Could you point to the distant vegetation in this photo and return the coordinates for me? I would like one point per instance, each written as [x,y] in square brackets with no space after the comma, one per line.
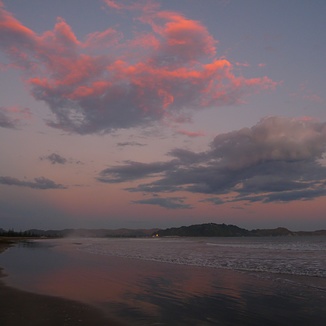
[223,230]
[14,234]
[198,230]
[204,230]
[80,233]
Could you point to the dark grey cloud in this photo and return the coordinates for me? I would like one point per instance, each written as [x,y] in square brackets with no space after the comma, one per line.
[214,200]
[285,196]
[278,159]
[280,195]
[133,171]
[168,202]
[38,183]
[130,143]
[55,158]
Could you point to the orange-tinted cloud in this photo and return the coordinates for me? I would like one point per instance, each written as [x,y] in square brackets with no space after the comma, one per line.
[106,82]
[182,40]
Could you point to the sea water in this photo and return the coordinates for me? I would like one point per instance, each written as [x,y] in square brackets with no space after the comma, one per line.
[302,255]
[181,281]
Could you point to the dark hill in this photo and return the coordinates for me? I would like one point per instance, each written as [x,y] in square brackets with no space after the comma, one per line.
[223,230]
[204,230]
[271,232]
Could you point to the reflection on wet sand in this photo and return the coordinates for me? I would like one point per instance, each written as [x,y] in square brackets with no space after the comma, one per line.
[143,292]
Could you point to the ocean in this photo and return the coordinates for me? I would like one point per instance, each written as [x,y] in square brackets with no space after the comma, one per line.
[180,281]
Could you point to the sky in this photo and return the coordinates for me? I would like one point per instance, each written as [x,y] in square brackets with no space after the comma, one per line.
[144,114]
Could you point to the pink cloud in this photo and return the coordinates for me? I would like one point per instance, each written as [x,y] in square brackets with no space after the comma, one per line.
[106,82]
[242,64]
[142,5]
[307,94]
[113,4]
[24,113]
[191,134]
[183,40]
[103,39]
[312,97]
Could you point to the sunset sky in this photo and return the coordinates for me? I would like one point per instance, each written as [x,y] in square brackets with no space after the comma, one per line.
[144,114]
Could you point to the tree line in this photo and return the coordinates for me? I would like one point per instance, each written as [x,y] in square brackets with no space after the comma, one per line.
[20,234]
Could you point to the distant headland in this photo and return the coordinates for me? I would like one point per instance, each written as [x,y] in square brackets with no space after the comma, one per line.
[196,230]
[224,230]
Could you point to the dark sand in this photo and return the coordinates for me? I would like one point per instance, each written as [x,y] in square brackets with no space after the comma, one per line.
[19,308]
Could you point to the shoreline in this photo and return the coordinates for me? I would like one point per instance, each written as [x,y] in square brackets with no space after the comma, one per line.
[20,307]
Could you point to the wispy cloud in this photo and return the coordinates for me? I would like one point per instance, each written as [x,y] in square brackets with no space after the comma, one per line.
[130,143]
[278,159]
[306,94]
[11,117]
[167,202]
[191,134]
[55,158]
[133,171]
[38,183]
[5,120]
[105,81]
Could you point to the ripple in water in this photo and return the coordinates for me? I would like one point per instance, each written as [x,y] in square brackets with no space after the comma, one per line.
[284,255]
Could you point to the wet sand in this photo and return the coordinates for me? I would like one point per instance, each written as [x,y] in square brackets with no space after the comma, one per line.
[19,308]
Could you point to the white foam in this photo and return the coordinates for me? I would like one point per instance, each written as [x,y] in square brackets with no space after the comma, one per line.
[284,256]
